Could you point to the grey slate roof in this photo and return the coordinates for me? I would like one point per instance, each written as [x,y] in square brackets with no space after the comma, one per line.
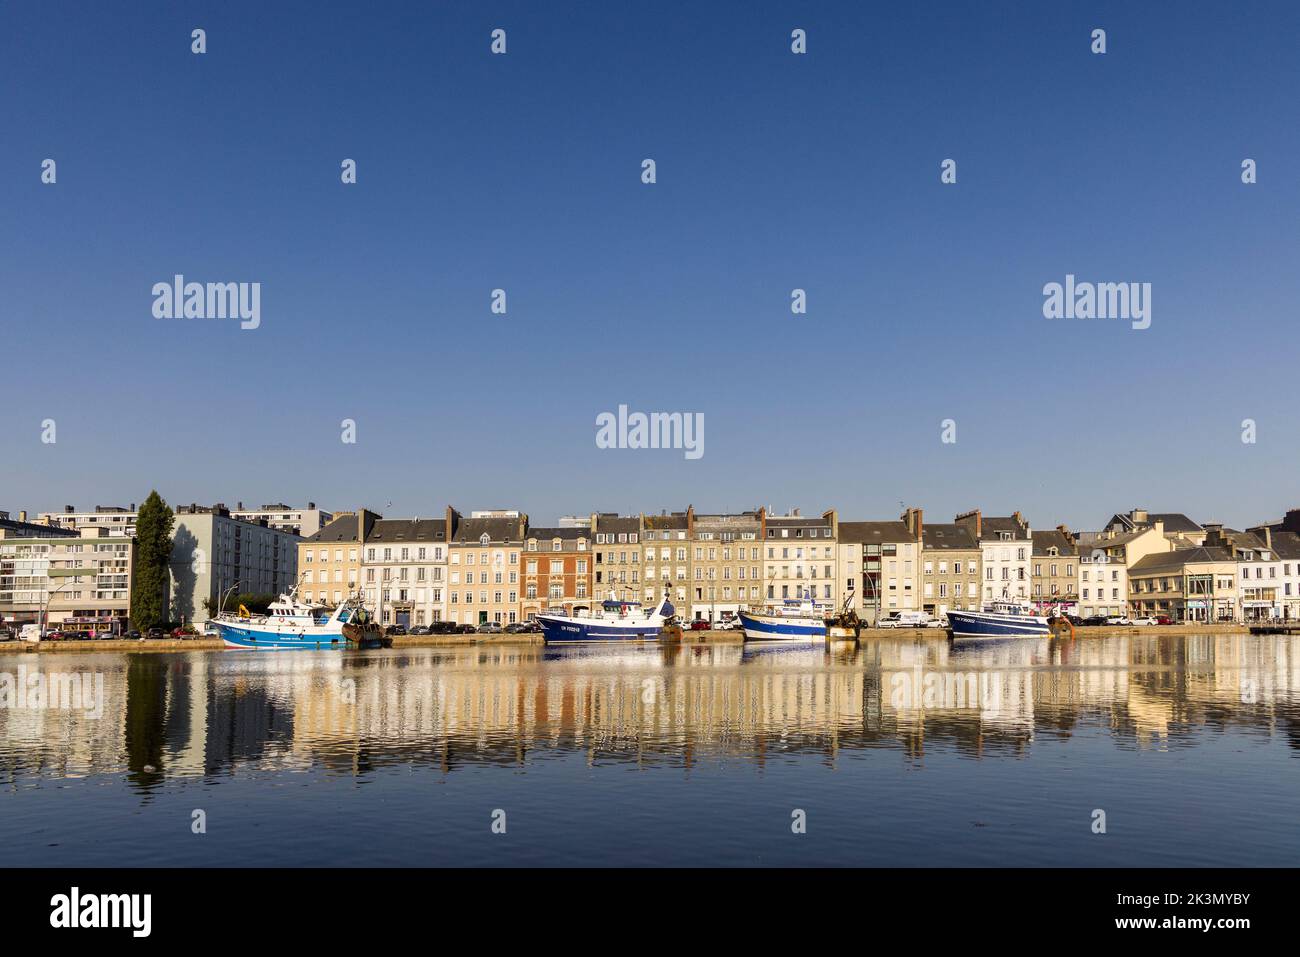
[499,530]
[936,537]
[1053,537]
[874,533]
[390,530]
[1175,560]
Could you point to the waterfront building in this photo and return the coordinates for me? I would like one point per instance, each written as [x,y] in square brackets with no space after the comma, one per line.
[1283,538]
[214,553]
[1259,573]
[1105,559]
[404,570]
[288,518]
[483,566]
[79,583]
[557,576]
[330,560]
[1006,544]
[1187,584]
[800,555]
[616,556]
[865,553]
[1178,528]
[1054,576]
[665,544]
[103,521]
[726,564]
[951,559]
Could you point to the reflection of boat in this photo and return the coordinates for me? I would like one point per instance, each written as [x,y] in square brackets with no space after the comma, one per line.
[999,619]
[617,621]
[290,625]
[798,619]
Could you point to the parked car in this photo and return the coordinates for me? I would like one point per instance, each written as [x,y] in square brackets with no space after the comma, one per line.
[1118,620]
[54,635]
[1145,620]
[1164,620]
[903,619]
[735,625]
[157,631]
[466,629]
[489,628]
[6,634]
[700,624]
[937,623]
[134,633]
[396,630]
[1094,620]
[419,630]
[1073,619]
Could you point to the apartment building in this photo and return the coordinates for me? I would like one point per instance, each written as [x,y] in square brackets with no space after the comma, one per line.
[800,556]
[287,518]
[726,564]
[483,566]
[404,570]
[865,552]
[79,584]
[105,521]
[1181,531]
[616,556]
[1260,576]
[1054,577]
[665,544]
[214,553]
[1106,557]
[1006,545]
[950,562]
[558,568]
[21,528]
[330,560]
[1283,538]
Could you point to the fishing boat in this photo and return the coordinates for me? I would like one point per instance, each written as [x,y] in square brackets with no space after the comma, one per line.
[290,625]
[846,625]
[1003,618]
[795,619]
[618,620]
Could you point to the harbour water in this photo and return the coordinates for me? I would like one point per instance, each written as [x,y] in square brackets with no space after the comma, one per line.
[906,751]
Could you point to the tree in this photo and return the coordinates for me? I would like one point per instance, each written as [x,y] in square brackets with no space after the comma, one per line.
[153,552]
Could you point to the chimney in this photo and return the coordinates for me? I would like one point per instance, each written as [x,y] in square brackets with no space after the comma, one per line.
[914,519]
[68,509]
[133,506]
[311,505]
[1065,530]
[1139,515]
[239,506]
[1268,538]
[22,515]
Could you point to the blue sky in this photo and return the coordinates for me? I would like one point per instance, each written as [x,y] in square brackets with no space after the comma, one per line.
[775,172]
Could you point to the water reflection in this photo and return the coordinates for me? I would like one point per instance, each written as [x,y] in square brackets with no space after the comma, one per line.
[211,714]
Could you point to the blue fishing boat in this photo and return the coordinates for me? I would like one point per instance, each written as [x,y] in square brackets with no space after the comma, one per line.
[290,625]
[999,619]
[618,621]
[796,619]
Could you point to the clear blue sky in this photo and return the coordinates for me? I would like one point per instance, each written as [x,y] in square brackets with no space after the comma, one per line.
[775,171]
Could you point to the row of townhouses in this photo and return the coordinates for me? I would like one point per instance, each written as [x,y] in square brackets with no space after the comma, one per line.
[495,565]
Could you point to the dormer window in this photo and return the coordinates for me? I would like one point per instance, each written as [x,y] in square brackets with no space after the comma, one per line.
[484,539]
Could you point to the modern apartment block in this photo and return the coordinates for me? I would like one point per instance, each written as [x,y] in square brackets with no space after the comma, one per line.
[214,553]
[79,584]
[287,518]
[404,569]
[557,570]
[726,564]
[483,566]
[104,521]
[872,559]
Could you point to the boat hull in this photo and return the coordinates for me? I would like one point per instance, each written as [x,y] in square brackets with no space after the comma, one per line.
[979,624]
[557,630]
[247,638]
[781,627]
